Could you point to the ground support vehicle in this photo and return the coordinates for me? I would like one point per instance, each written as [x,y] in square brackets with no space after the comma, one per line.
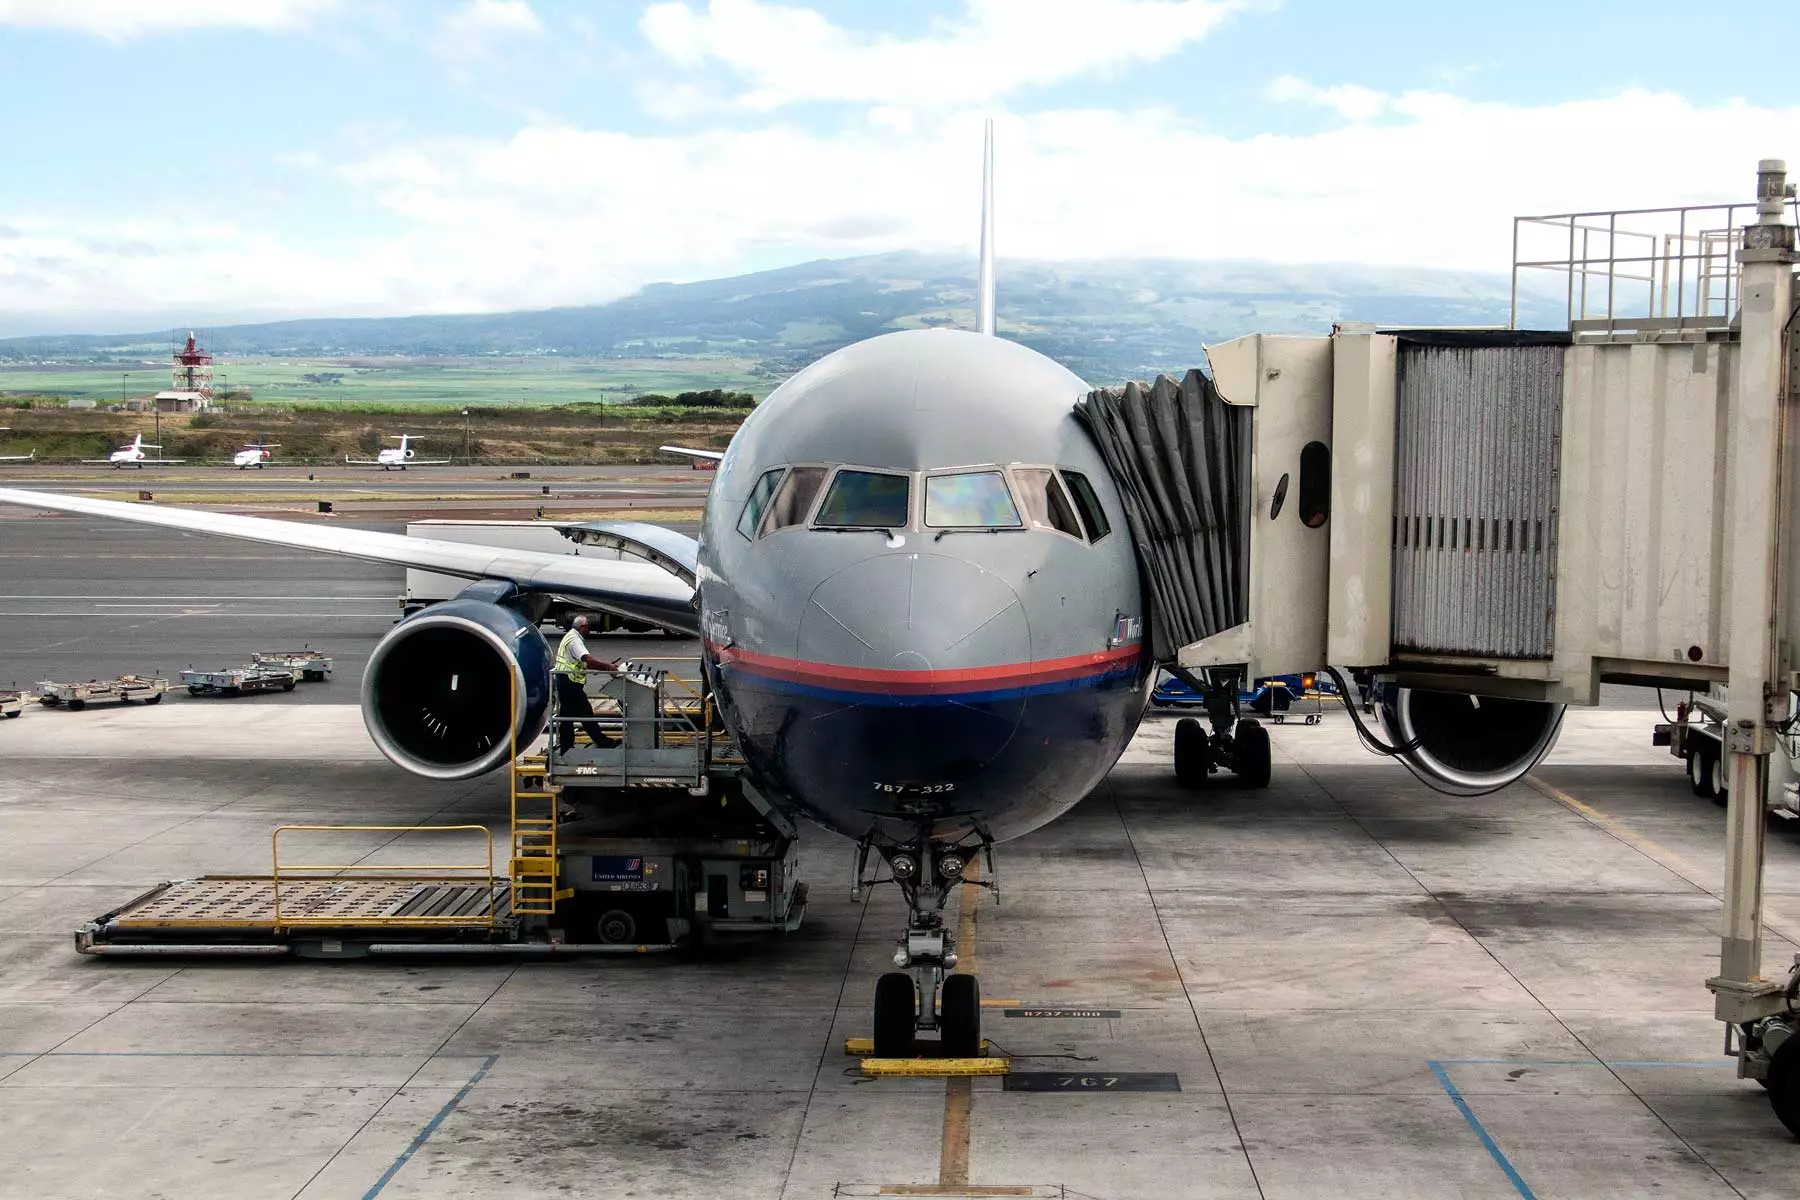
[126,689]
[307,666]
[237,681]
[644,845]
[1696,736]
[11,703]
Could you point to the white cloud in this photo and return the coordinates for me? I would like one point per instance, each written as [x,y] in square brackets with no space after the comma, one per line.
[787,54]
[474,29]
[1351,101]
[117,19]
[556,214]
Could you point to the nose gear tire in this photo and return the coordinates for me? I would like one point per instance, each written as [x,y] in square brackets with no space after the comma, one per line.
[895,1012]
[1250,754]
[1193,753]
[959,1016]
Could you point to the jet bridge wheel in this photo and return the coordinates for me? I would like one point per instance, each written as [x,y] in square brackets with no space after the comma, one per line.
[896,1015]
[959,1016]
[1250,754]
[1699,774]
[1193,753]
[1783,1083]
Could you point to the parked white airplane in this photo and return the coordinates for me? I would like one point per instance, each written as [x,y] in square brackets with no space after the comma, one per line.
[16,457]
[133,456]
[397,456]
[253,456]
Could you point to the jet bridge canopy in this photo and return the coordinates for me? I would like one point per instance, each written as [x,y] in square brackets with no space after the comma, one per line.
[1181,458]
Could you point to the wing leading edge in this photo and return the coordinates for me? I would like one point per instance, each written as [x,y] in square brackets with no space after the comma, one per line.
[634,589]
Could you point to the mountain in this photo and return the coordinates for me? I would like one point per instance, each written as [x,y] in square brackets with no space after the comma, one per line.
[1104,319]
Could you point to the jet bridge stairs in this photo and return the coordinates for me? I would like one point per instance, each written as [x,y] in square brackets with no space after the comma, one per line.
[644,839]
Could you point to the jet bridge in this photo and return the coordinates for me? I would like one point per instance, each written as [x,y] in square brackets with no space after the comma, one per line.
[1486,525]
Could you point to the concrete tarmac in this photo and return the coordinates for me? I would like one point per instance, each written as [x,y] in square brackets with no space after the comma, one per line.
[1365,989]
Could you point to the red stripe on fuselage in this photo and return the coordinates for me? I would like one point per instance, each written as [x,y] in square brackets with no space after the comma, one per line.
[925,682]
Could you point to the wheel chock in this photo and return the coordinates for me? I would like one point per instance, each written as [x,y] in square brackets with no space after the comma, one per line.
[935,1067]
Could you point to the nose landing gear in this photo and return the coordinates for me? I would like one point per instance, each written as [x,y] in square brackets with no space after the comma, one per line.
[1242,746]
[923,996]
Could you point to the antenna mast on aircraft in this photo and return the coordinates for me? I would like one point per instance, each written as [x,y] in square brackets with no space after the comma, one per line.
[984,321]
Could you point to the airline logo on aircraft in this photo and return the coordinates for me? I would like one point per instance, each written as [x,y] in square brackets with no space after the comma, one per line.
[1126,631]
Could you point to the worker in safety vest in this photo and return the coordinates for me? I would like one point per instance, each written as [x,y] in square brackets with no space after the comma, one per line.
[572,663]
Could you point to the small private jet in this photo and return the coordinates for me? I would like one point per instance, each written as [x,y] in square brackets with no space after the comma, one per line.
[4,458]
[400,456]
[133,456]
[253,456]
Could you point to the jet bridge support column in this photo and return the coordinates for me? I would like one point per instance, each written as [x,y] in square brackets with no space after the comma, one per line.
[1765,461]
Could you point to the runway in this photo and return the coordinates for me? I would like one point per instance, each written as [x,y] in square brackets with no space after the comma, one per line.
[83,598]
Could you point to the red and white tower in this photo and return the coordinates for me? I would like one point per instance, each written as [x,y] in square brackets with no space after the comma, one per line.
[193,373]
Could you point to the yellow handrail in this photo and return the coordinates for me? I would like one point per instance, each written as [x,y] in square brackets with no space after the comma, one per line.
[455,871]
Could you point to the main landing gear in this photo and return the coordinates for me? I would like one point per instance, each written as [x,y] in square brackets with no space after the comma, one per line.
[1239,744]
[923,996]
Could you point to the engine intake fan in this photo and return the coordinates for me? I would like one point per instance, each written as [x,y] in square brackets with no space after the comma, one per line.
[1467,745]
[446,689]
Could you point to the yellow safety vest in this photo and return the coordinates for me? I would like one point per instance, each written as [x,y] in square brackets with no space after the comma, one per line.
[567,663]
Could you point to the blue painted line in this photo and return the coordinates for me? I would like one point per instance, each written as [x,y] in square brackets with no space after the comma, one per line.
[1512,1173]
[431,1127]
[1456,1097]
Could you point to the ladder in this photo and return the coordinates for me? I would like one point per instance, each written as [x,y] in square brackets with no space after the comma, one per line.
[534,865]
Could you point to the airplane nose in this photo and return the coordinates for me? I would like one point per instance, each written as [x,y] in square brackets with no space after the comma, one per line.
[924,644]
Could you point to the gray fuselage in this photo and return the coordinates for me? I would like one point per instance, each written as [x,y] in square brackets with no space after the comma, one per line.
[961,649]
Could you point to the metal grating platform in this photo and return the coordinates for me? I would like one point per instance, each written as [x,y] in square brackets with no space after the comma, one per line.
[248,901]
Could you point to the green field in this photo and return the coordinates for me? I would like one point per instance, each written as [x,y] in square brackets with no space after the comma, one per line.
[445,382]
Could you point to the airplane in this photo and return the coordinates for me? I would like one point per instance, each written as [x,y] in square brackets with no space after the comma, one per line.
[397,456]
[133,456]
[6,458]
[920,613]
[253,456]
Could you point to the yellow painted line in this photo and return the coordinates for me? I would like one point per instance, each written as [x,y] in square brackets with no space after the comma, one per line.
[1772,920]
[953,1155]
[1002,1004]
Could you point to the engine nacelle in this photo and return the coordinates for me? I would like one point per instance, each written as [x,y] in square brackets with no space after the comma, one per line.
[445,690]
[1469,744]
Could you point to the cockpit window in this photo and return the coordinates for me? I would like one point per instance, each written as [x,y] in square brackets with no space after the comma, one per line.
[793,499]
[1092,515]
[758,502]
[865,500]
[1045,500]
[970,500]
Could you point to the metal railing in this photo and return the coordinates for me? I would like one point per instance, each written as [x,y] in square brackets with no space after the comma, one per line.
[294,875]
[1643,270]
[664,735]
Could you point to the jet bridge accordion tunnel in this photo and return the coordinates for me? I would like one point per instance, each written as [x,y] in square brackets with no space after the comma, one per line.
[1492,522]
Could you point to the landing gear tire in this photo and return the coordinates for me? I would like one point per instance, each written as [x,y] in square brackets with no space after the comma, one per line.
[616,927]
[1783,1083]
[1193,753]
[1251,756]
[959,1017]
[895,1015]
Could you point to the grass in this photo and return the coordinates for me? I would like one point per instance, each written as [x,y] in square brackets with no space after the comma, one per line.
[442,383]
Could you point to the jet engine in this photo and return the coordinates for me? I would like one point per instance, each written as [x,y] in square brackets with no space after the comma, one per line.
[1467,745]
[447,688]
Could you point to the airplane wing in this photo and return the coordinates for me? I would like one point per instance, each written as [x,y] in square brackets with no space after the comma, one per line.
[18,457]
[713,455]
[632,589]
[363,462]
[427,462]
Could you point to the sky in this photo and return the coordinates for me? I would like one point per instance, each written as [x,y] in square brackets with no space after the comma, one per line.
[211,161]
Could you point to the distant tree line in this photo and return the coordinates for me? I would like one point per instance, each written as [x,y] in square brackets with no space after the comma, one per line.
[711,398]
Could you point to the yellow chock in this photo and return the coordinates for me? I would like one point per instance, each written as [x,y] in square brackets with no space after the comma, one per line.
[865,1047]
[878,1067]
